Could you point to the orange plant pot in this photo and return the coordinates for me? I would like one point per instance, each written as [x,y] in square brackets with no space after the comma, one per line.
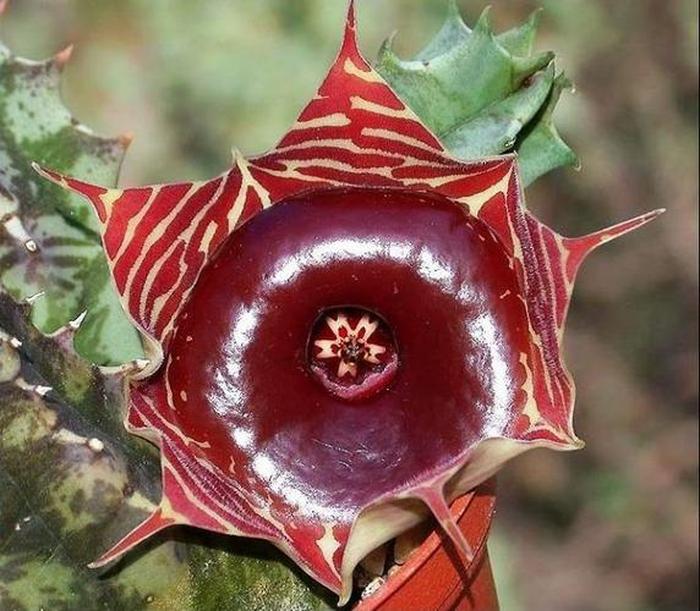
[435,578]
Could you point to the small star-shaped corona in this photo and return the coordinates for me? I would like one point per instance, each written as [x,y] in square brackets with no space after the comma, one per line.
[350,345]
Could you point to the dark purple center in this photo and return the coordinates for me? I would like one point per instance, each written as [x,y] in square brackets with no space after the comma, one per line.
[416,307]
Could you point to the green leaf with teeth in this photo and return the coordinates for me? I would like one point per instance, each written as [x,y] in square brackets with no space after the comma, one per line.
[484,94]
[49,241]
[71,477]
[541,148]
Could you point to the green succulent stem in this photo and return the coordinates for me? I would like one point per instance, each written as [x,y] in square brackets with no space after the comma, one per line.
[483,93]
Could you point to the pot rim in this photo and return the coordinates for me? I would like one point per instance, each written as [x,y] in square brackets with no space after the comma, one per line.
[474,513]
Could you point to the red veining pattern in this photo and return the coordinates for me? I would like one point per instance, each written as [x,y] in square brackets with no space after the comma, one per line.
[355,131]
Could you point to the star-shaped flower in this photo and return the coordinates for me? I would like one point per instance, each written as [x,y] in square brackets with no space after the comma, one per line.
[359,208]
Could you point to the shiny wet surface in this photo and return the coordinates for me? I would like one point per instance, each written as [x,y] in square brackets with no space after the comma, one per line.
[239,373]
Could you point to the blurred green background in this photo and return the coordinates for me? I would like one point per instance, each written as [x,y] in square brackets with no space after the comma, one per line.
[615,526]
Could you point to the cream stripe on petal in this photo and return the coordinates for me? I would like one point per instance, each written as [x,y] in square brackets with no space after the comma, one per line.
[247,181]
[476,201]
[337,119]
[156,233]
[160,301]
[359,103]
[263,511]
[292,174]
[133,223]
[192,498]
[108,199]
[328,545]
[387,134]
[530,410]
[178,433]
[348,146]
[182,238]
[209,233]
[329,164]
[369,76]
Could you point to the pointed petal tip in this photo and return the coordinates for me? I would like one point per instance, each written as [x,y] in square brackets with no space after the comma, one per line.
[633,223]
[3,6]
[344,597]
[437,504]
[85,189]
[154,523]
[351,13]
[583,246]
[111,556]
[570,442]
[99,563]
[464,549]
[350,36]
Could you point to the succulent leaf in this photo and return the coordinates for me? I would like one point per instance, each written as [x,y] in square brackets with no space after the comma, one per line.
[540,147]
[453,32]
[49,239]
[250,444]
[70,475]
[520,40]
[496,127]
[482,93]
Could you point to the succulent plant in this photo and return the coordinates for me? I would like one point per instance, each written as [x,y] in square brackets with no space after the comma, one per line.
[342,335]
[341,332]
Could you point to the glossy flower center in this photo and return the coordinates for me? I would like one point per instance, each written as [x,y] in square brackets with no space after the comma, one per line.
[352,352]
[345,344]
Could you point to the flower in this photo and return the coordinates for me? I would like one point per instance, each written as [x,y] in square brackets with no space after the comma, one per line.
[357,226]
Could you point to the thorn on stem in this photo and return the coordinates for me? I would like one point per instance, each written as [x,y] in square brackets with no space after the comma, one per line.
[63,57]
